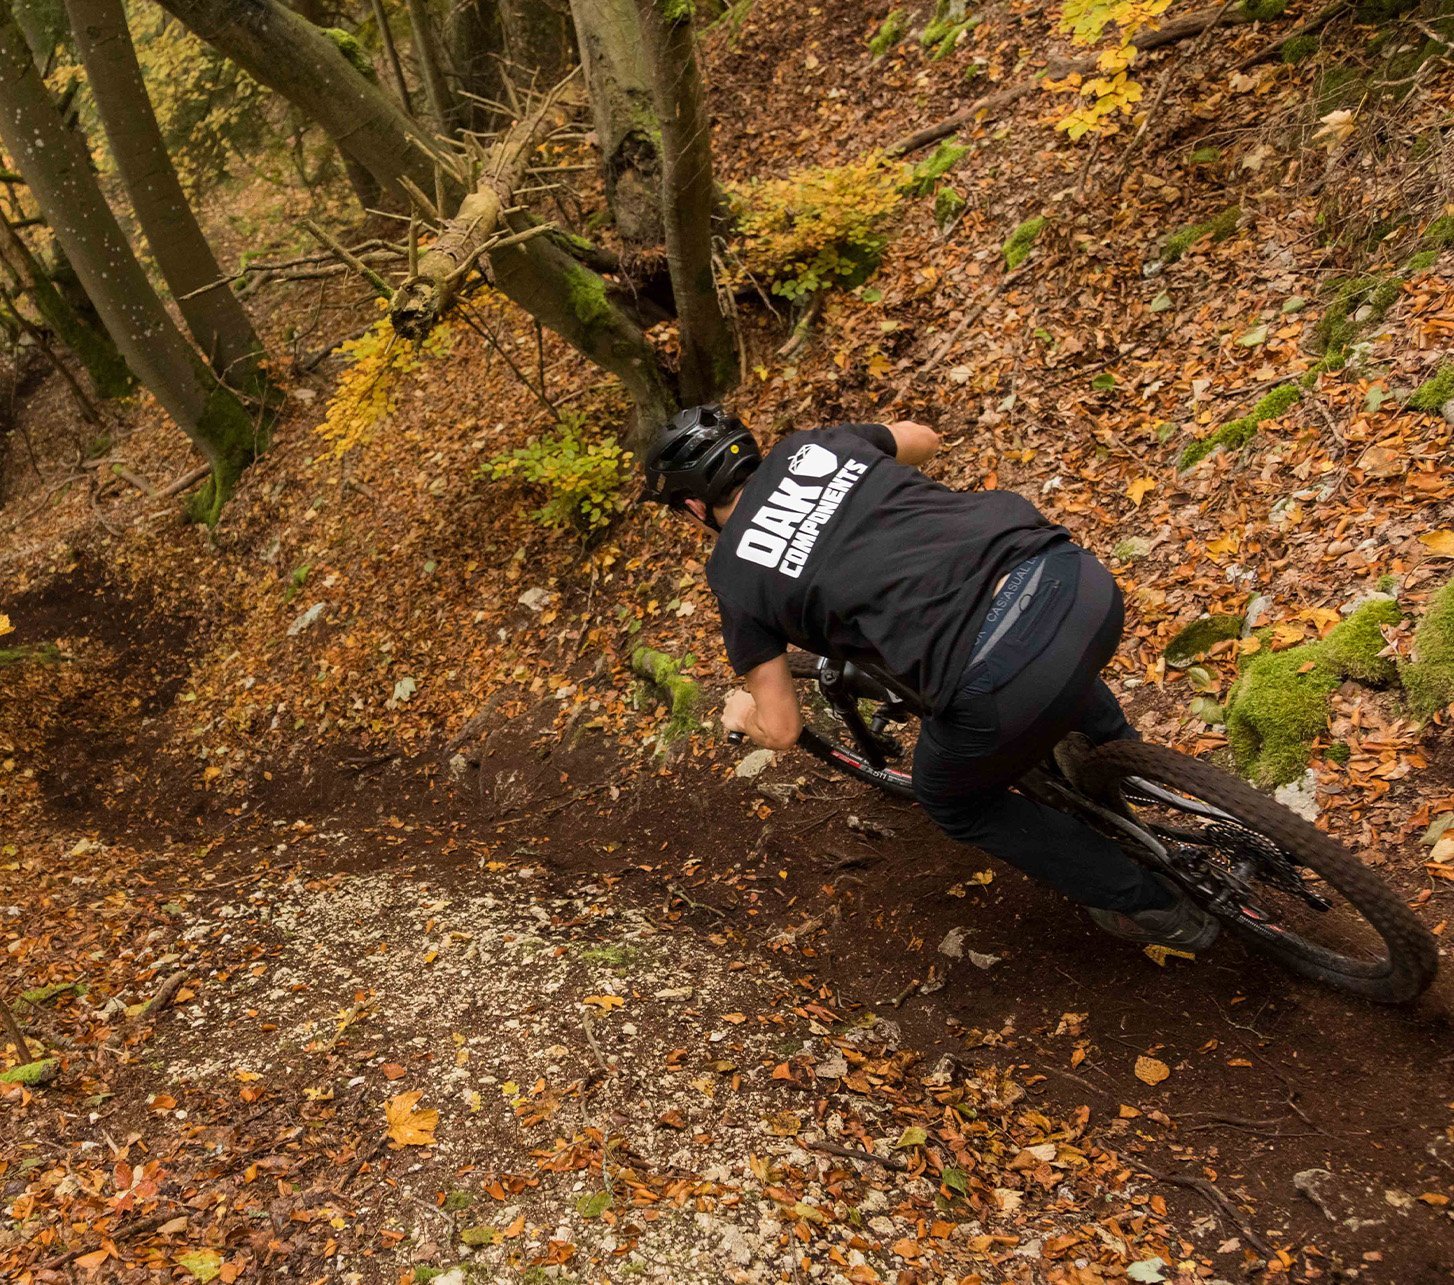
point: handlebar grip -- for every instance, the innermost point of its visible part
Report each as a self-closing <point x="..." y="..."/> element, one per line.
<point x="736" y="738"/>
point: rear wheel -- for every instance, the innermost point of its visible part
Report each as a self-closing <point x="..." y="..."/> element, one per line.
<point x="1274" y="879"/>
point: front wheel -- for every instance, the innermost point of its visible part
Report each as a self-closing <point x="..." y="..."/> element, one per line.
<point x="1273" y="878"/>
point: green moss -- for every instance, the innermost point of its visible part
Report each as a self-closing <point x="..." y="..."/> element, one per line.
<point x="1239" y="432"/>
<point x="457" y="1199"/>
<point x="1428" y="678"/>
<point x="948" y="205"/>
<point x="1422" y="261"/>
<point x="1357" y="304"/>
<point x="1299" y="49"/>
<point x="1263" y="10"/>
<point x="32" y="1074"/>
<point x="684" y="695"/>
<point x="1218" y="228"/>
<point x="1021" y="241"/>
<point x="350" y="48"/>
<point x="1434" y="391"/>
<point x="38" y="653"/>
<point x="587" y="294"/>
<point x="933" y="167"/>
<point x="1352" y="647"/>
<point x="889" y="33"/>
<point x="1206" y="156"/>
<point x="677" y="10"/>
<point x="1131" y="548"/>
<point x="44" y="994"/>
<point x="1439" y="235"/>
<point x="1338" y="752"/>
<point x="479" y="1235"/>
<point x="1279" y="705"/>
<point x="1199" y="637"/>
<point x="942" y="32"/>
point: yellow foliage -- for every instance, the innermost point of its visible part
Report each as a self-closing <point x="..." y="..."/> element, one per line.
<point x="1113" y="91"/>
<point x="819" y="227"/>
<point x="366" y="389"/>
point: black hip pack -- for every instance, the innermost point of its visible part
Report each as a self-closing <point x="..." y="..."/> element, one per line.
<point x="1026" y="612"/>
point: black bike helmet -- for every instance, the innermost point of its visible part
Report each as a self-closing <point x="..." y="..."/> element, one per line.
<point x="699" y="454"/>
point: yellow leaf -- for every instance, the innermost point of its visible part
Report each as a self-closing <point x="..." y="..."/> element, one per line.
<point x="1227" y="544"/>
<point x="982" y="877"/>
<point x="5" y="626"/>
<point x="1151" y="1070"/>
<point x="604" y="1002"/>
<point x="408" y="1127"/>
<point x="1441" y="542"/>
<point x="1139" y="488"/>
<point x="510" y="1089"/>
<point x="1159" y="954"/>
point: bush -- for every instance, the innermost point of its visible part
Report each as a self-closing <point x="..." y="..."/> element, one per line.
<point x="818" y="228"/>
<point x="583" y="481"/>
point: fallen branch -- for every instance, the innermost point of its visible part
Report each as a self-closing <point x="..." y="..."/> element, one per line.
<point x="166" y="993"/>
<point x="183" y="482"/>
<point x="13" y="1031"/>
<point x="381" y="287"/>
<point x="1211" y="1194"/>
<point x="857" y="1153"/>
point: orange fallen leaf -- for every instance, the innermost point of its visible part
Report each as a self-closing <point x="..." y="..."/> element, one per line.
<point x="392" y="1071"/>
<point x="1151" y="1070"/>
<point x="1139" y="489"/>
<point x="604" y="1002"/>
<point x="408" y="1127"/>
<point x="1440" y="543"/>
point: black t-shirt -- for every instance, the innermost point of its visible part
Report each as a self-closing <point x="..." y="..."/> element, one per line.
<point x="836" y="547"/>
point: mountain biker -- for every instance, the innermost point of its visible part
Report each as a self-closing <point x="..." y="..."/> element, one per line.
<point x="973" y="601"/>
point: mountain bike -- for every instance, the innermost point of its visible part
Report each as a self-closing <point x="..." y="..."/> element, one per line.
<point x="1272" y="878"/>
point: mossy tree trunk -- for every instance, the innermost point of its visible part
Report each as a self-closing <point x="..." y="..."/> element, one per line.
<point x="281" y="50"/>
<point x="431" y="68"/>
<point x="569" y="298"/>
<point x="708" y="360"/>
<point x="608" y="33"/>
<point x="212" y="312"/>
<point x="391" y="51"/>
<point x="95" y="349"/>
<point x="59" y="176"/>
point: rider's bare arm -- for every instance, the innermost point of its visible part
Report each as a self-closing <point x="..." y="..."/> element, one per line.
<point x="768" y="710"/>
<point x="914" y="442"/>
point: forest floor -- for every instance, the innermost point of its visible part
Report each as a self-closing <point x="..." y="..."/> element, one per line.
<point x="453" y="965"/>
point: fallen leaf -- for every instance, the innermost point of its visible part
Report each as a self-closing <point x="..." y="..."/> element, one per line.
<point x="1139" y="489"/>
<point x="392" y="1071"/>
<point x="604" y="1002"/>
<point x="204" y="1264"/>
<point x="1440" y="542"/>
<point x="408" y="1127"/>
<point x="1151" y="1070"/>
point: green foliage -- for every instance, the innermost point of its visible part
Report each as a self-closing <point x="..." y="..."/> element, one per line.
<point x="1199" y="637"/>
<point x="1219" y="228"/>
<point x="583" y="481"/>
<point x="677" y="10"/>
<point x="1279" y="704"/>
<point x="933" y="167"/>
<point x="818" y="228"/>
<point x="891" y="30"/>
<point x="209" y="109"/>
<point x="1434" y="391"/>
<point x="1239" y="432"/>
<point x="1428" y="678"/>
<point x="1021" y="241"/>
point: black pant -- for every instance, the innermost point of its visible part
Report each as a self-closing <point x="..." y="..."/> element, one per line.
<point x="995" y="730"/>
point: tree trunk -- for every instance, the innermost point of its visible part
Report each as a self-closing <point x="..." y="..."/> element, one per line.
<point x="566" y="296"/>
<point x="708" y="362"/>
<point x="476" y="38"/>
<point x="538" y="40"/>
<point x="95" y="349"/>
<point x="608" y="33"/>
<point x="280" y="50"/>
<point x="391" y="50"/>
<point x="431" y="71"/>
<point x="57" y="172"/>
<point x="212" y="312"/>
